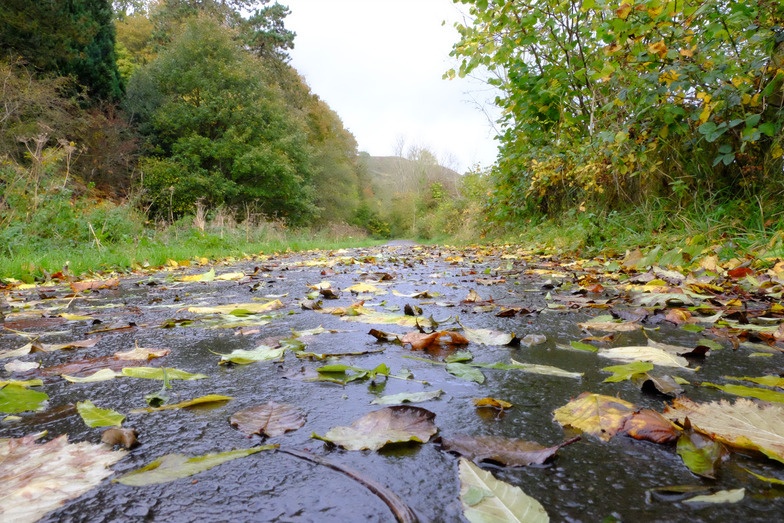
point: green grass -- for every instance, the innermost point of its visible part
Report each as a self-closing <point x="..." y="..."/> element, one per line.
<point x="154" y="249"/>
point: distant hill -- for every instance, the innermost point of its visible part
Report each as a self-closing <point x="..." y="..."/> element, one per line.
<point x="393" y="176"/>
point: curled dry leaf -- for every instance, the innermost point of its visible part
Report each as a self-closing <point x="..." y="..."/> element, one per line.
<point x="118" y="436"/>
<point x="650" y="425"/>
<point x="81" y="286"/>
<point x="420" y="341"/>
<point x="271" y="419"/>
<point x="507" y="452"/>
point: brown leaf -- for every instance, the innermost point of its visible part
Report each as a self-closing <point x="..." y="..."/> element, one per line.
<point x="507" y="452"/>
<point x="271" y="419"/>
<point x="650" y="425"/>
<point x="420" y="341"/>
<point x="118" y="436"/>
<point x="81" y="286"/>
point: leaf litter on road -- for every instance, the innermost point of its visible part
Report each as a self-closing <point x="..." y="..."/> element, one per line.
<point x="548" y="301"/>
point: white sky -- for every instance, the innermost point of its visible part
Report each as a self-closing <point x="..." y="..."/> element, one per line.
<point x="378" y="64"/>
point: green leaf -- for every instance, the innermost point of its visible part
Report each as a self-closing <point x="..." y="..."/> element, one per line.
<point x="176" y="466"/>
<point x="210" y="398"/>
<point x="700" y="453"/>
<point x="768" y="381"/>
<point x="14" y="399"/>
<point x="466" y="372"/>
<point x="96" y="417"/>
<point x="628" y="371"/>
<point x="407" y="397"/>
<point x="495" y="501"/>
<point x="245" y="357"/>
<point x="749" y="392"/>
<point x="101" y="375"/>
<point x="158" y="373"/>
<point x="690" y="327"/>
<point x="578" y="345"/>
<point x="723" y="496"/>
<point x="459" y="356"/>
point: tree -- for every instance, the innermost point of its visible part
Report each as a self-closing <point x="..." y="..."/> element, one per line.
<point x="218" y="129"/>
<point x="66" y="38"/>
<point x="617" y="101"/>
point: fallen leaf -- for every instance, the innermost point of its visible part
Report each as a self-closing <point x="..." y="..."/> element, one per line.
<point x="601" y="416"/>
<point x="743" y="424"/>
<point x="700" y="453"/>
<point x="176" y="466"/>
<point x="251" y="308"/>
<point x="120" y="436"/>
<point x="15" y="399"/>
<point x="650" y="425"/>
<point x="643" y="353"/>
<point x="159" y="373"/>
<point x="376" y="429"/>
<point x="421" y="341"/>
<point x="492" y="402"/>
<point x="488" y="336"/>
<point x="723" y="496"/>
<point x="207" y="276"/>
<point x="82" y="286"/>
<point x="466" y="372"/>
<point x="39" y="478"/>
<point x="245" y="357"/>
<point x="96" y="417"/>
<point x="486" y="499"/>
<point x="210" y="398"/>
<point x="271" y="419"/>
<point x="20" y="366"/>
<point x="141" y="353"/>
<point x="407" y="397"/>
<point x="507" y="452"/>
<point x="627" y="371"/>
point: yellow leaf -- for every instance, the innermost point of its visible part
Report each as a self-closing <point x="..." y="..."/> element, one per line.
<point x="623" y="11"/>
<point x="601" y="416"/>
<point x="492" y="402"/>
<point x="211" y="398"/>
<point x="252" y="308"/>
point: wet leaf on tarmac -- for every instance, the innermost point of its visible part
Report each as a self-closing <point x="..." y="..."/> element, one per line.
<point x="744" y="424"/>
<point x="466" y="372"/>
<point x="723" y="496"/>
<point x="422" y="341"/>
<point x="486" y="499"/>
<point x="407" y="397"/>
<point x="251" y="308"/>
<point x="81" y="286"/>
<point x="141" y="353"/>
<point x="700" y="453"/>
<point x="601" y="416"/>
<point x="97" y="417"/>
<point x="651" y="426"/>
<point x="38" y="478"/>
<point x="271" y="419"/>
<point x="497" y="449"/>
<point x="20" y="366"/>
<point x="492" y="402"/>
<point x="748" y="392"/>
<point x="159" y="373"/>
<point x="397" y="424"/>
<point x="488" y="336"/>
<point x="246" y="357"/>
<point x="176" y="466"/>
<point x="210" y="398"/>
<point x="627" y="371"/>
<point x="15" y="399"/>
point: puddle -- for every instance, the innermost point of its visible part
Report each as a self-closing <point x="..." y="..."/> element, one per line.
<point x="589" y="480"/>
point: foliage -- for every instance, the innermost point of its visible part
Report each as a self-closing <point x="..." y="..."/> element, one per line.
<point x="218" y="130"/>
<point x="612" y="104"/>
<point x="66" y="38"/>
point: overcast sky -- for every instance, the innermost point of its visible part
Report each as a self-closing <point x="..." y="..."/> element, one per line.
<point x="378" y="64"/>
